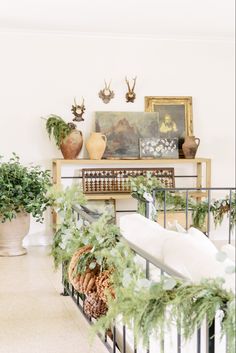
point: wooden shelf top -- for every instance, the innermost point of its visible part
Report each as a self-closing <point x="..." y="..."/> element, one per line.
<point x="130" y="161"/>
<point x="107" y="196"/>
<point x="126" y="196"/>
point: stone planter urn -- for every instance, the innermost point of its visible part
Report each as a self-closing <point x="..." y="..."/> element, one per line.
<point x="12" y="233"/>
<point x="190" y="146"/>
<point x="96" y="145"/>
<point x="72" y="145"/>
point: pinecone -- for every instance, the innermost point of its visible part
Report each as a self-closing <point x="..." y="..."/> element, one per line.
<point x="83" y="283"/>
<point x="94" y="306"/>
<point x="103" y="285"/>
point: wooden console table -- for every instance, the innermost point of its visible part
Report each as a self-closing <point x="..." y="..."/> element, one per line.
<point x="61" y="171"/>
<point x="58" y="164"/>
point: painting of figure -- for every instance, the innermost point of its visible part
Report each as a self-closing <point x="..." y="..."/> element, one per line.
<point x="175" y="116"/>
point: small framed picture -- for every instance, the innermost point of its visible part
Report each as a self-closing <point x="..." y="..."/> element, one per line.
<point x="96" y="208"/>
<point x="155" y="148"/>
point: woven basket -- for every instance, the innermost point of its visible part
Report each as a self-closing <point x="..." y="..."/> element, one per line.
<point x="104" y="288"/>
<point x="94" y="306"/>
<point x="84" y="283"/>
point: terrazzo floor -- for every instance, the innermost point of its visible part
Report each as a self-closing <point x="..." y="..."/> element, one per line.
<point x="34" y="318"/>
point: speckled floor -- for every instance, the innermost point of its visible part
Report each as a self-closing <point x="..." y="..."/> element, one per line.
<point x="34" y="318"/>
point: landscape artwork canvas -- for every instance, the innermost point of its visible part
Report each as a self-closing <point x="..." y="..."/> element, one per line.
<point x="123" y="131"/>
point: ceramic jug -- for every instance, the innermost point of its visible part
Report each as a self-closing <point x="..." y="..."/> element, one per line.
<point x="72" y="144"/>
<point x="96" y="145"/>
<point x="190" y="146"/>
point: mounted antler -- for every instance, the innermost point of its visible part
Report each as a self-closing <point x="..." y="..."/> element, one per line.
<point x="106" y="94"/>
<point x="130" y="95"/>
<point x="78" y="110"/>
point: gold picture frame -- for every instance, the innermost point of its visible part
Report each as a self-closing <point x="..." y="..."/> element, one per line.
<point x="175" y="116"/>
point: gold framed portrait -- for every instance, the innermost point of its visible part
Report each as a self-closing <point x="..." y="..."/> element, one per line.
<point x="174" y="115"/>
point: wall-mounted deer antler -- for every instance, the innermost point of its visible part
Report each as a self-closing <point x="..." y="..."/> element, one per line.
<point x="106" y="94"/>
<point x="130" y="95"/>
<point x="78" y="110"/>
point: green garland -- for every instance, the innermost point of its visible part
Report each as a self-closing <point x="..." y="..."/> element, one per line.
<point x="67" y="237"/>
<point x="142" y="187"/>
<point x="147" y="307"/>
<point x="150" y="308"/>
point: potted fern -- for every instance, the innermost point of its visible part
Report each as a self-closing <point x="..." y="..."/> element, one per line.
<point x="23" y="192"/>
<point x="68" y="139"/>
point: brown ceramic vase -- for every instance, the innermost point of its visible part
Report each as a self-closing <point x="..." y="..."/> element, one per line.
<point x="190" y="146"/>
<point x="12" y="233"/>
<point x="96" y="145"/>
<point x="72" y="145"/>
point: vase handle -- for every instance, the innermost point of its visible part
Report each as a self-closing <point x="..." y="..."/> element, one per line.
<point x="198" y="141"/>
<point x="104" y="138"/>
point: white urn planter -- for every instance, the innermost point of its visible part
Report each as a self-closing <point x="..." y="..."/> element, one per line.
<point x="12" y="233"/>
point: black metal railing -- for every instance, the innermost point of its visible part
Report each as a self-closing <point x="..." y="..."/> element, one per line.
<point x="115" y="339"/>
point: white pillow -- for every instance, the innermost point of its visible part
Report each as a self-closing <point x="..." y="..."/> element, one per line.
<point x="191" y="254"/>
<point x="195" y="260"/>
<point x="145" y="234"/>
<point x="202" y="240"/>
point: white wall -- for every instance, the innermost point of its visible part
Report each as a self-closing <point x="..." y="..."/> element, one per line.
<point x="41" y="73"/>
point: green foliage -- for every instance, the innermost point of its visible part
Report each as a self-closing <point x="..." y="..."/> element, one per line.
<point x="67" y="237"/>
<point x="23" y="189"/>
<point x="147" y="307"/>
<point x="57" y="127"/>
<point x="193" y="303"/>
<point x="142" y="188"/>
<point x="64" y="201"/>
<point x="150" y="308"/>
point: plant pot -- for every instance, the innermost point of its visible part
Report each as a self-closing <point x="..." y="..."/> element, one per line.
<point x="96" y="145"/>
<point x="190" y="146"/>
<point x="72" y="145"/>
<point x="12" y="233"/>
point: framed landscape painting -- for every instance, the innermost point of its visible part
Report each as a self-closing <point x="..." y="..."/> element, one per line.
<point x="175" y="116"/>
<point x="123" y="131"/>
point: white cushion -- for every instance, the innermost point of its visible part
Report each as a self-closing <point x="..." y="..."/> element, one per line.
<point x="191" y="254"/>
<point x="145" y="234"/>
<point x="202" y="240"/>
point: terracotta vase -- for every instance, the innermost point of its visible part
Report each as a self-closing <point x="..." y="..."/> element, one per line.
<point x="96" y="145"/>
<point x="72" y="145"/>
<point x="12" y="233"/>
<point x="190" y="146"/>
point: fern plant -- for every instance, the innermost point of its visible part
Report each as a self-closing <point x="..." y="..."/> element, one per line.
<point x="57" y="127"/>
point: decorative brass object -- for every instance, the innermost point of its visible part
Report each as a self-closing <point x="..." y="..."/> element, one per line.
<point x="78" y="111"/>
<point x="130" y="95"/>
<point x="106" y="94"/>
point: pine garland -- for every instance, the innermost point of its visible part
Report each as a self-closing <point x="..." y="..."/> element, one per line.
<point x="147" y="307"/>
<point x="142" y="187"/>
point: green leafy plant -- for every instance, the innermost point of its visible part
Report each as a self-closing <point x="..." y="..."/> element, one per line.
<point x="145" y="306"/>
<point x="67" y="237"/>
<point x="23" y="189"/>
<point x="142" y="187"/>
<point x="150" y="308"/>
<point x="57" y="127"/>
